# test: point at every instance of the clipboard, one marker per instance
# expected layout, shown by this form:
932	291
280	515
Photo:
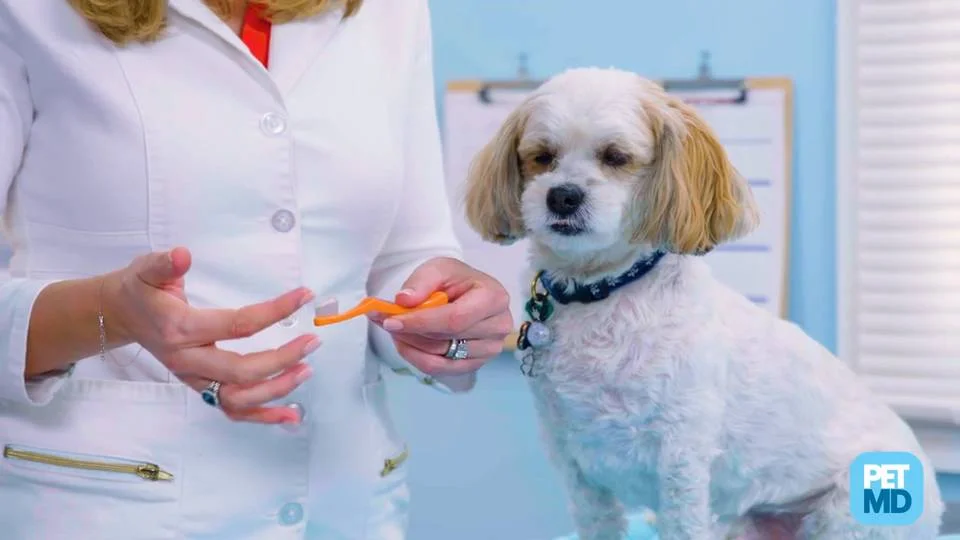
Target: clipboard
728	105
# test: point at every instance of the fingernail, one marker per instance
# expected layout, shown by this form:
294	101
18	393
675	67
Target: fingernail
306	298
292	423
392	325
304	374
406	292
311	346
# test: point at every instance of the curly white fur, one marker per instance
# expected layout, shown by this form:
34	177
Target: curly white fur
676	393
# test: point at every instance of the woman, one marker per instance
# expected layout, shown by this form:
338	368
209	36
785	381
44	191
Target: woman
185	181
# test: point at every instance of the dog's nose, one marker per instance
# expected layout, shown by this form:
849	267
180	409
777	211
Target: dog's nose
565	199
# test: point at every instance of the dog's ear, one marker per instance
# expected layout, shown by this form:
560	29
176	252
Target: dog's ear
494	184
696	198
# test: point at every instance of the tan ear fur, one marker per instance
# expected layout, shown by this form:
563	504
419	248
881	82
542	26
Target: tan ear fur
696	198
494	184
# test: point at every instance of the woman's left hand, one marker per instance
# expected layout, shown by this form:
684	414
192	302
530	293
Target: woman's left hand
478	312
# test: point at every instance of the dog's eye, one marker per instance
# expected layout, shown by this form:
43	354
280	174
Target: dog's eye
543	158
614	158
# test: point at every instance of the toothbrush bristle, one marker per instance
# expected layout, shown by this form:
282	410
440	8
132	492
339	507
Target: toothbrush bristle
327	307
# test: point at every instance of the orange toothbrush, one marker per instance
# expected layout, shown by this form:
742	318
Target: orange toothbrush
329	313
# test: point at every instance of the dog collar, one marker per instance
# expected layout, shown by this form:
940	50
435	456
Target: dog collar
534	334
586	293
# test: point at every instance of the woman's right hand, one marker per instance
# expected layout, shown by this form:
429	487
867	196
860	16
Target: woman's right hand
145	303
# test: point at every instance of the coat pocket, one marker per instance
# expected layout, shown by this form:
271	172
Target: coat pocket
104	459
389	506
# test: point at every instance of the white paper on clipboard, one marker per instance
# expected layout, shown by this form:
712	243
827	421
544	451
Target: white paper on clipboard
754	134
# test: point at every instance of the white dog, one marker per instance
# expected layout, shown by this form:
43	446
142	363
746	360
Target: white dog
656	385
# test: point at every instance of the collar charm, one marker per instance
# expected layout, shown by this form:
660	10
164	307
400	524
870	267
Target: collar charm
534	333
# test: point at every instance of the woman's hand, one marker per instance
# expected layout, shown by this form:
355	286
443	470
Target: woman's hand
145	303
478	312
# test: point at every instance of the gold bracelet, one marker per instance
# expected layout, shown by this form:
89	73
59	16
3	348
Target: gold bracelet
101	327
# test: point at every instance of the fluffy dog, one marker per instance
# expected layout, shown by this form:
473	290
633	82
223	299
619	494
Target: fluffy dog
657	385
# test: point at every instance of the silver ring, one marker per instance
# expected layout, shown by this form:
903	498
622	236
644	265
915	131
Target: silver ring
211	394
457	349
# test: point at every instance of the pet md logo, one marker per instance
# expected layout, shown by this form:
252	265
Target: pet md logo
886	488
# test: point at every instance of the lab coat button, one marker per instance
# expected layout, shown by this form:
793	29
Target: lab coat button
291	514
273	124
283	220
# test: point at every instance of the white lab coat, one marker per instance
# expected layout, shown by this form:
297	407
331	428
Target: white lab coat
324	172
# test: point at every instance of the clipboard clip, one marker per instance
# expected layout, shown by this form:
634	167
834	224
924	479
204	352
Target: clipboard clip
521	82
703	82
706	82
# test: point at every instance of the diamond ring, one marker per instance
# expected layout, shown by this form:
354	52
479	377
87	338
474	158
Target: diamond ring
211	394
457	349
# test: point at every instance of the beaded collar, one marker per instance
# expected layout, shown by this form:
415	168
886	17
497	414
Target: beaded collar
585	293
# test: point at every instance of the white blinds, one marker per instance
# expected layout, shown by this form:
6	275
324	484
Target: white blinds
899	200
